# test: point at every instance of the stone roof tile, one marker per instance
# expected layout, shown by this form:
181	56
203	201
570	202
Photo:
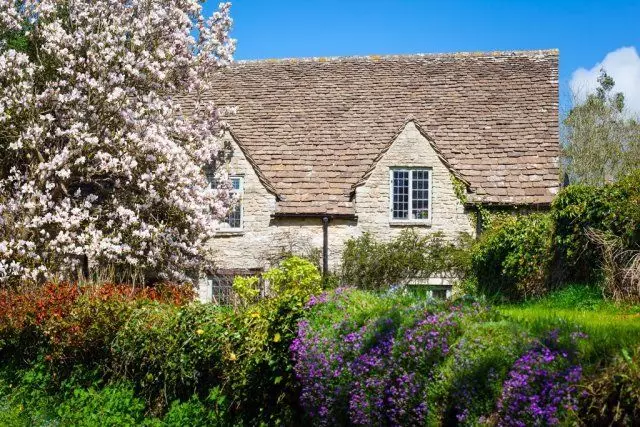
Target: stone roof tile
314	128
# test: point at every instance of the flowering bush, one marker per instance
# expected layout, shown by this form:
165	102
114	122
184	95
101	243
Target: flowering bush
97	161
540	388
388	360
374	371
470	381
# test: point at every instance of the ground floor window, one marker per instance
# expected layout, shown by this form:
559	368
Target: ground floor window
220	286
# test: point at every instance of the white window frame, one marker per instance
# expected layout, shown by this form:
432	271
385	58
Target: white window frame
225	227
409	220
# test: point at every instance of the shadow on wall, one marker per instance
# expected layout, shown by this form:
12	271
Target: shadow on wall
304	237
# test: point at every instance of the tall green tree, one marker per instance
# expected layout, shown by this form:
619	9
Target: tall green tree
601	141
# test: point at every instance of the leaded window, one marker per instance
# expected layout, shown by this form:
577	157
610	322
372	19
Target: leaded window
234	218
410	195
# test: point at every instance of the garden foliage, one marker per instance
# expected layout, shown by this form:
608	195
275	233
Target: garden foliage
368	263
512	260
590	232
390	360
156	352
72	355
613	208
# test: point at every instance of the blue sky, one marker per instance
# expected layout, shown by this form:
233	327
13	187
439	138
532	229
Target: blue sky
584	31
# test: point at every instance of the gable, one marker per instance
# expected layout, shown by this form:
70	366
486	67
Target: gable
242	162
410	152
407	137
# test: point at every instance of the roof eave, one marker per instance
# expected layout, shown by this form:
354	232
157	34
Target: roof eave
314	215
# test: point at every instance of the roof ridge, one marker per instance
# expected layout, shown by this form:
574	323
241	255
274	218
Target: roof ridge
435	55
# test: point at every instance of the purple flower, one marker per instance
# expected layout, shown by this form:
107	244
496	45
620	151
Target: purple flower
539	389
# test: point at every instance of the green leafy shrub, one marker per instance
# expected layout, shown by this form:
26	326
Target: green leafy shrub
371	264
247	289
258	368
71	323
511	261
114	405
294	275
194	412
169	352
27	395
613	208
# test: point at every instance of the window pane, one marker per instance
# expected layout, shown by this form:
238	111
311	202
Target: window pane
400	200
234	218
420	194
222	289
235	183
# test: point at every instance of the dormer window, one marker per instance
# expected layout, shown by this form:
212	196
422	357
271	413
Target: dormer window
410	190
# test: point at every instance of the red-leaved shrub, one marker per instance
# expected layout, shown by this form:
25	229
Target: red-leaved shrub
69	322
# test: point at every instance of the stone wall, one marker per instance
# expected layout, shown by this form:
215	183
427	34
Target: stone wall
264	238
410	149
235	250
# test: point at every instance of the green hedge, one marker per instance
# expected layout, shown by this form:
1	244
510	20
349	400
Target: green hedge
127	356
613	208
522	256
368	263
511	260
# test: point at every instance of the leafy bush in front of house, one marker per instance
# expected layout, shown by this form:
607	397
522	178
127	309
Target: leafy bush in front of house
108	347
170	351
511	261
613	208
368	263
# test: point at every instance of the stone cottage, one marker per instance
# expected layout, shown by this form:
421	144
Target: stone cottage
325	149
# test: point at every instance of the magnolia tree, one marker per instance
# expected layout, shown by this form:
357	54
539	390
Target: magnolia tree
99	169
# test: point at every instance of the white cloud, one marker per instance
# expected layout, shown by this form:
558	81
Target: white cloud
624	66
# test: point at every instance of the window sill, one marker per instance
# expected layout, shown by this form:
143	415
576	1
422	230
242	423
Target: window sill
229	233
400	223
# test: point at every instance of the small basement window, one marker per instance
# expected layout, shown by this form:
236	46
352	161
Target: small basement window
410	199
438	292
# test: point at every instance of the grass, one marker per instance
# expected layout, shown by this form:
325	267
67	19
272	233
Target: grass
611	328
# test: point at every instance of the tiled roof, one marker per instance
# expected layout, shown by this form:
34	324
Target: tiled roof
316	127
